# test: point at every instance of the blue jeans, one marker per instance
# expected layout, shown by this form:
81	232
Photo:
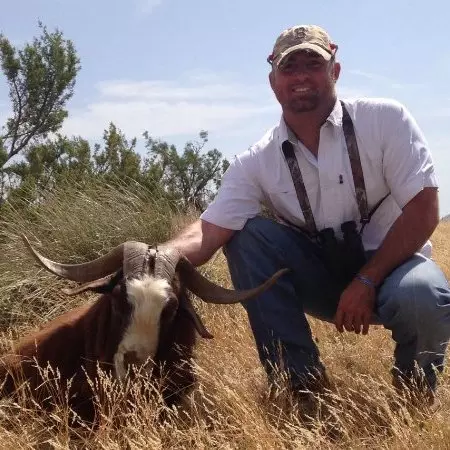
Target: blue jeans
413	303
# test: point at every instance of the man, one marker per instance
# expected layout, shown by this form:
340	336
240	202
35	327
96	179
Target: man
397	286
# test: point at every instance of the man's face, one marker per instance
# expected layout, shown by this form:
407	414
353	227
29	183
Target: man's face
304	81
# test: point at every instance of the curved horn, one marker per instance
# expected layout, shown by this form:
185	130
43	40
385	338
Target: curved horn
166	261
101	285
85	272
213	293
198	322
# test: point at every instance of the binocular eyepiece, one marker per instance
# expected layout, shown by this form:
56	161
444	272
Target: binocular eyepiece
343	257
349	227
349	231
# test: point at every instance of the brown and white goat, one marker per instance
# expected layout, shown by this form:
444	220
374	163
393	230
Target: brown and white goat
144	314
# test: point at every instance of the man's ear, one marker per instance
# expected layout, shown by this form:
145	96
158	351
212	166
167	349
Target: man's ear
271	79
336	71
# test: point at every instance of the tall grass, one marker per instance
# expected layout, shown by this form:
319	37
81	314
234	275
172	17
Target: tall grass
228	408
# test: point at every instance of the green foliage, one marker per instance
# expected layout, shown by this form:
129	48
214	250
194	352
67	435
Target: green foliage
3	154
187	180
44	165
41	78
119	158
191	177
47	164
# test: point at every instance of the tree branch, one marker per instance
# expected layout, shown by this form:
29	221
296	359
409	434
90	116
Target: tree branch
14	139
30	134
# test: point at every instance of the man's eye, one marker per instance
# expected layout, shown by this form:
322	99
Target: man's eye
314	64
288	68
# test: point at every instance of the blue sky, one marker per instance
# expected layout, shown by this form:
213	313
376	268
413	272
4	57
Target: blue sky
175	67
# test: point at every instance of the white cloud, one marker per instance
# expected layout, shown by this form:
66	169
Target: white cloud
370	76
169	108
377	78
173	91
344	92
159	118
439	113
147	6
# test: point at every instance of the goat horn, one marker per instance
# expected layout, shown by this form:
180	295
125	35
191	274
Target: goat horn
85	272
166	261
213	293
100	285
197	321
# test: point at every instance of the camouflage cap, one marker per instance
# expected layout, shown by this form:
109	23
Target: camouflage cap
301	37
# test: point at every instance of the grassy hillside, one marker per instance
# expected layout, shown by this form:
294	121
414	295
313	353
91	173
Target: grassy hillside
228	408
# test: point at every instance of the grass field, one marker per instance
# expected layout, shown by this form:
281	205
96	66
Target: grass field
227	409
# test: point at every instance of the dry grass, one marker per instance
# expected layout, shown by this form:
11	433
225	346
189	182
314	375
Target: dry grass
227	409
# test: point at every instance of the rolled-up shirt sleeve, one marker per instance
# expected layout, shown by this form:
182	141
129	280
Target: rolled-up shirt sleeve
238	199
407	161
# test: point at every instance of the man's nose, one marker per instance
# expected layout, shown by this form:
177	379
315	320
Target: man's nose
300	74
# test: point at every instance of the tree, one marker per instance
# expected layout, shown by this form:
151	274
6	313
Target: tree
45	164
41	78
118	158
191	178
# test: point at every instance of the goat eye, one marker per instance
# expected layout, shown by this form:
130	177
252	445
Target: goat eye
170	309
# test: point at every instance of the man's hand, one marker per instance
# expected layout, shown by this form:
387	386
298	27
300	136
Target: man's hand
409	232
355	308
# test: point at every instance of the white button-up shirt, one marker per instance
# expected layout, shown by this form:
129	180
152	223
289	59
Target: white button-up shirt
394	157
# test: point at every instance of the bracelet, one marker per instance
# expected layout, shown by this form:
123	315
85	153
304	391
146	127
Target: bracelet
365	280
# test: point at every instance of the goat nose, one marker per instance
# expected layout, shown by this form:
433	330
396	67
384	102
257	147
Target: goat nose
130	358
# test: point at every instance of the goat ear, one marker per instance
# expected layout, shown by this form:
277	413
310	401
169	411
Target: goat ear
186	305
101	286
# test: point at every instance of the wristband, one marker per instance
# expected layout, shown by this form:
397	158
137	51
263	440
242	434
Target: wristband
365	280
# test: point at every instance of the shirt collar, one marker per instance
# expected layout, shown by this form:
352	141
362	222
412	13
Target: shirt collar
335	116
286	134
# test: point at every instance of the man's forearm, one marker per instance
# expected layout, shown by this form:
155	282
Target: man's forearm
199	241
407	235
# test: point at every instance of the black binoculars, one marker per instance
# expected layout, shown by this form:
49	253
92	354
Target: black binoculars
342	257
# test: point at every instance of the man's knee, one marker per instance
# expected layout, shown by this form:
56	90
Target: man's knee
417	301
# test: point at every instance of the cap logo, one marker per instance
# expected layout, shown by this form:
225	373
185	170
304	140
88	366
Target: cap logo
300	33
